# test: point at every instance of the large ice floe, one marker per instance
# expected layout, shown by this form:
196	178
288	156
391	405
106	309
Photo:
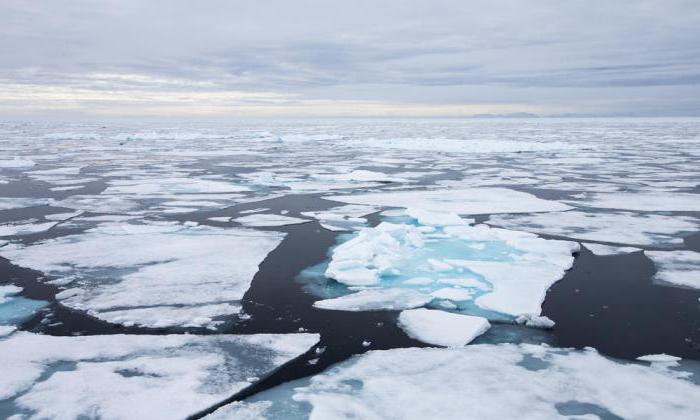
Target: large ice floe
459	201
159	274
134	376
681	268
621	227
435	257
643	201
482	382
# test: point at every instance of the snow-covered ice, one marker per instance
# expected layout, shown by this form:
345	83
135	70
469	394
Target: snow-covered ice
134	376
602	250
459	201
621	227
157	274
681	268
498	270
376	299
643	201
442	328
485	382
268	220
343	218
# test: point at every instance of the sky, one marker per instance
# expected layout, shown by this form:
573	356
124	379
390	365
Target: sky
353	58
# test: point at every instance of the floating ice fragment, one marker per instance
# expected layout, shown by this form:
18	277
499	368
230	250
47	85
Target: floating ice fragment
535	321
602	250
659	358
16	163
442	328
376	300
677	267
268	220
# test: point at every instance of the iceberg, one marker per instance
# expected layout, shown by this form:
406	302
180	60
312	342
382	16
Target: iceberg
152	274
134	376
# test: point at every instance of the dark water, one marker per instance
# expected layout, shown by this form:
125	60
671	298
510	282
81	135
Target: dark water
607	302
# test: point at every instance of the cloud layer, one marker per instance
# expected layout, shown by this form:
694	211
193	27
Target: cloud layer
326	58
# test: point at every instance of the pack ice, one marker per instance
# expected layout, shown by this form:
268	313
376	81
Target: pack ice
617	227
134	376
459	201
158	274
483	382
473	269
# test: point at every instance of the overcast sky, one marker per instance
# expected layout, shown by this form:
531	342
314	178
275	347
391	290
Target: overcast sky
160	58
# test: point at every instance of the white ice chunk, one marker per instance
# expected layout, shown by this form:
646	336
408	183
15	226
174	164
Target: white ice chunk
599	249
165	273
459	201
677	267
343	218
135	376
659	358
268	220
535	321
376	300
442	328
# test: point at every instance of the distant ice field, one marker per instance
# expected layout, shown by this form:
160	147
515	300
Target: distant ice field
328	268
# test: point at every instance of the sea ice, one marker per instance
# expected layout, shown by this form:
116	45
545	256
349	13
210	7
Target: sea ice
342	218
506	273
376	300
643	201
620	227
602	250
156	274
459	201
442	328
134	376
16	163
483	381
268	220
15	309
677	267
12	229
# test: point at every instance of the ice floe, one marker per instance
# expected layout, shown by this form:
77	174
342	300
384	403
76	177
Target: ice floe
157	274
16	163
134	377
24	228
621	227
375	300
482	381
476	268
599	249
15	309
459	201
681	268
343	218
442	328
470	146
268	220
643	201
